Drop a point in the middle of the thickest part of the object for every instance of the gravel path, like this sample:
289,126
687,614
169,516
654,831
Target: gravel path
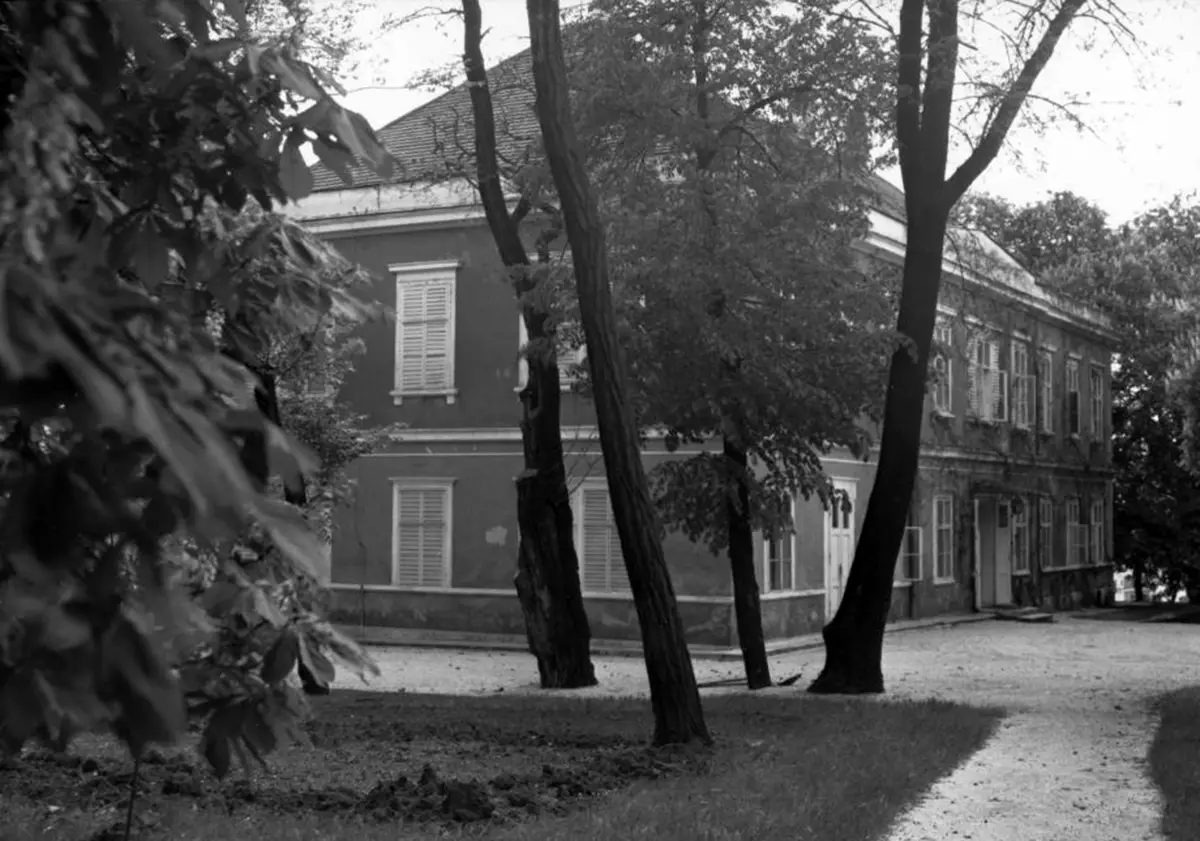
1068,764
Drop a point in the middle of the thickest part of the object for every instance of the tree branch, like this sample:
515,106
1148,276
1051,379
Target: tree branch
1010,105
908,89
937,99
491,193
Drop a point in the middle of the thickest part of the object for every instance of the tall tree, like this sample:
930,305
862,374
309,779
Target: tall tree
547,582
735,316
674,695
928,41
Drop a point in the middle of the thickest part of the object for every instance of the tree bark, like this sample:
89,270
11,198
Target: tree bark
746,604
547,580
678,716
1139,586
854,639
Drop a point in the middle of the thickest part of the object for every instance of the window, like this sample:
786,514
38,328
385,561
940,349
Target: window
987,384
1076,536
1020,536
943,368
601,564
779,556
943,539
421,533
424,330
1045,532
1096,398
1096,547
568,357
908,561
1023,386
1046,385
1072,396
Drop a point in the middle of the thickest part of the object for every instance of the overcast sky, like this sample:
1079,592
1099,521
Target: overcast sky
1143,112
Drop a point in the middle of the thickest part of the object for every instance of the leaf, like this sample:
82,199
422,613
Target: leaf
291,535
356,133
289,459
294,174
220,598
295,77
339,160
281,658
217,51
316,662
258,734
216,751
237,11
148,694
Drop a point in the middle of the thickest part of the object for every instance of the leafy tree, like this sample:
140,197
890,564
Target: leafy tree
547,580
928,40
128,138
737,319
674,695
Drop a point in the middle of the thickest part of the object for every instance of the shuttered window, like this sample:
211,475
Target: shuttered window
425,295
421,534
601,565
987,382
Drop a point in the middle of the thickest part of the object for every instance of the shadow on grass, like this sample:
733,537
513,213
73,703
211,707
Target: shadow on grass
1188,614
1175,762
400,766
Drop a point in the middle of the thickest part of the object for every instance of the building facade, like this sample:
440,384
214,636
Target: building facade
1013,504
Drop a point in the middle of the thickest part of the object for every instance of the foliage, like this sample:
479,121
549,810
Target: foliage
131,134
738,322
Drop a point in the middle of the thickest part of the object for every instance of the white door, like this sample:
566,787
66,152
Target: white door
839,543
1003,550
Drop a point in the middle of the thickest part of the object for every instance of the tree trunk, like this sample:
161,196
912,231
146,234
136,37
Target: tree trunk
1139,586
547,580
854,639
746,605
678,716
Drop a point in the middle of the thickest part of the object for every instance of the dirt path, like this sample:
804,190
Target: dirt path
1067,765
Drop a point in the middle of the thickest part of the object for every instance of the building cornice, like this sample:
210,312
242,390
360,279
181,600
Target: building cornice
391,208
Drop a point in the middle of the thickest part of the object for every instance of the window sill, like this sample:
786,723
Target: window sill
943,414
904,584
1076,567
451,395
1023,573
939,582
776,595
563,385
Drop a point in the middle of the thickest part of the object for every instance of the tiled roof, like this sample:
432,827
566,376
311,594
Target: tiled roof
437,139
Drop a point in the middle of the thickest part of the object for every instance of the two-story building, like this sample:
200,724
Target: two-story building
1014,499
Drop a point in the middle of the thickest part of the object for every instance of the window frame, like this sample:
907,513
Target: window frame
1074,418
941,541
767,540
1022,411
1096,401
1075,527
1097,548
1046,533
577,506
1045,373
408,276
909,529
943,388
1019,519
424,485
987,380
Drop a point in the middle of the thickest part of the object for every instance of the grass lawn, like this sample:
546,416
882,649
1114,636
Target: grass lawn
1175,763
402,766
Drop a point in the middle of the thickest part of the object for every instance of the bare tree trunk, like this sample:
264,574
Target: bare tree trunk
1139,584
678,716
547,580
854,639
746,604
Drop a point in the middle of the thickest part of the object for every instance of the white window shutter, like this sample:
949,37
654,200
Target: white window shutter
424,319
596,524
433,537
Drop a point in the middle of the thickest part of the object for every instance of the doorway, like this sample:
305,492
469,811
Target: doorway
993,546
839,542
